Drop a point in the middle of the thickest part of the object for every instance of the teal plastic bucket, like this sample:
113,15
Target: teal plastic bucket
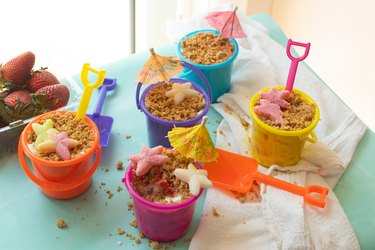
218,75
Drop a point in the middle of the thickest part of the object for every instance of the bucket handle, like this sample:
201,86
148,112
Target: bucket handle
311,137
201,76
53,185
189,66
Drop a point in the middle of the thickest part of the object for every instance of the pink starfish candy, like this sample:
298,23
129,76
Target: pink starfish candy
59,143
269,110
277,97
147,158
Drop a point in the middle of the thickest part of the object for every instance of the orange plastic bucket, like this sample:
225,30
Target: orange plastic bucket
271,146
60,179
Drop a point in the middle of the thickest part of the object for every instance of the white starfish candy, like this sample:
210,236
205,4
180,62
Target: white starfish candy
197,178
180,91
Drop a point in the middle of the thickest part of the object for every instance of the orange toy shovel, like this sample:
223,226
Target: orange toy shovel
237,172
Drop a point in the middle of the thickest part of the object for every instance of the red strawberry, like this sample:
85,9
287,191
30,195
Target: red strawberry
40,79
2,125
22,95
58,92
18,69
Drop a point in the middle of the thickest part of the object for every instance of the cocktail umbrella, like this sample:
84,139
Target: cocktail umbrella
159,69
227,23
194,142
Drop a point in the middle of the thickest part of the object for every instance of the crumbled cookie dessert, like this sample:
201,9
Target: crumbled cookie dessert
207,48
298,116
61,223
164,108
214,212
120,165
120,231
159,184
75,128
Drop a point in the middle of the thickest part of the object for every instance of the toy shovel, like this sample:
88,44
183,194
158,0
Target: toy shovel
89,87
295,61
237,172
104,123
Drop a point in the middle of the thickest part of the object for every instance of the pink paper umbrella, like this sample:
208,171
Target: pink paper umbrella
227,23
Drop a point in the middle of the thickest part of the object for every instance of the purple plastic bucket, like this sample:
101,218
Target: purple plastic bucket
161,222
157,129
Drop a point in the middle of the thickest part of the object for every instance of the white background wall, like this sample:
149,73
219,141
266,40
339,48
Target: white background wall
64,35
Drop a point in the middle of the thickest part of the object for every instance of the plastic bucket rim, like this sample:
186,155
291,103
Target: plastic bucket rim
173,123
65,163
165,207
202,66
273,130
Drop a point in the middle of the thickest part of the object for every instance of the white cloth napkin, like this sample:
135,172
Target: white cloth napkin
280,220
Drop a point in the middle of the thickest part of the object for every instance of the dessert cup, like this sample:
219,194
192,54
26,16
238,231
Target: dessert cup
161,222
157,129
60,179
218,75
272,146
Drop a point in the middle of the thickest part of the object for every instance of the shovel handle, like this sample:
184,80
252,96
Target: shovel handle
295,61
295,189
108,85
99,105
87,92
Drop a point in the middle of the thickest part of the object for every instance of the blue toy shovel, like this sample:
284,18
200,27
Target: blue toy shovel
104,123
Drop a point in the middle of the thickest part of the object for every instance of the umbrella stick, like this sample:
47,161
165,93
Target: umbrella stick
204,120
160,67
234,11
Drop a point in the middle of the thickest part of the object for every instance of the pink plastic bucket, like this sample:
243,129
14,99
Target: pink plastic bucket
161,222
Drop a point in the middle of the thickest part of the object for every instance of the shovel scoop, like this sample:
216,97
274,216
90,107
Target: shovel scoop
104,123
236,172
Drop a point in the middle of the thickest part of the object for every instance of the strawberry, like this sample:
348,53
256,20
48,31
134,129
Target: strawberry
2,125
57,92
19,95
18,69
41,78
18,105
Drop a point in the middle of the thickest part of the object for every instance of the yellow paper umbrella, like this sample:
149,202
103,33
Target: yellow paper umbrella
194,142
159,69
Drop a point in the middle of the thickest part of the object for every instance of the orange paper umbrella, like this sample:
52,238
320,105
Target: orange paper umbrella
194,142
159,68
227,23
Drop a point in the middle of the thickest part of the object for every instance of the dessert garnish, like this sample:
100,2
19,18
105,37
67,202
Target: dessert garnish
41,131
59,143
277,97
196,178
181,91
147,158
271,103
269,110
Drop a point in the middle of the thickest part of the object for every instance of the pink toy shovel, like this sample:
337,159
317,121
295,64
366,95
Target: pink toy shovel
295,61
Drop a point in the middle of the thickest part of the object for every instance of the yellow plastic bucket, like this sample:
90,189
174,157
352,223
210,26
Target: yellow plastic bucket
271,146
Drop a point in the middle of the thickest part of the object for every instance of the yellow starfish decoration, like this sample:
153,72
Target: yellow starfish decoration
42,128
180,91
197,178
41,131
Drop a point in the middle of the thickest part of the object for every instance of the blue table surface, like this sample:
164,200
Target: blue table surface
28,218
